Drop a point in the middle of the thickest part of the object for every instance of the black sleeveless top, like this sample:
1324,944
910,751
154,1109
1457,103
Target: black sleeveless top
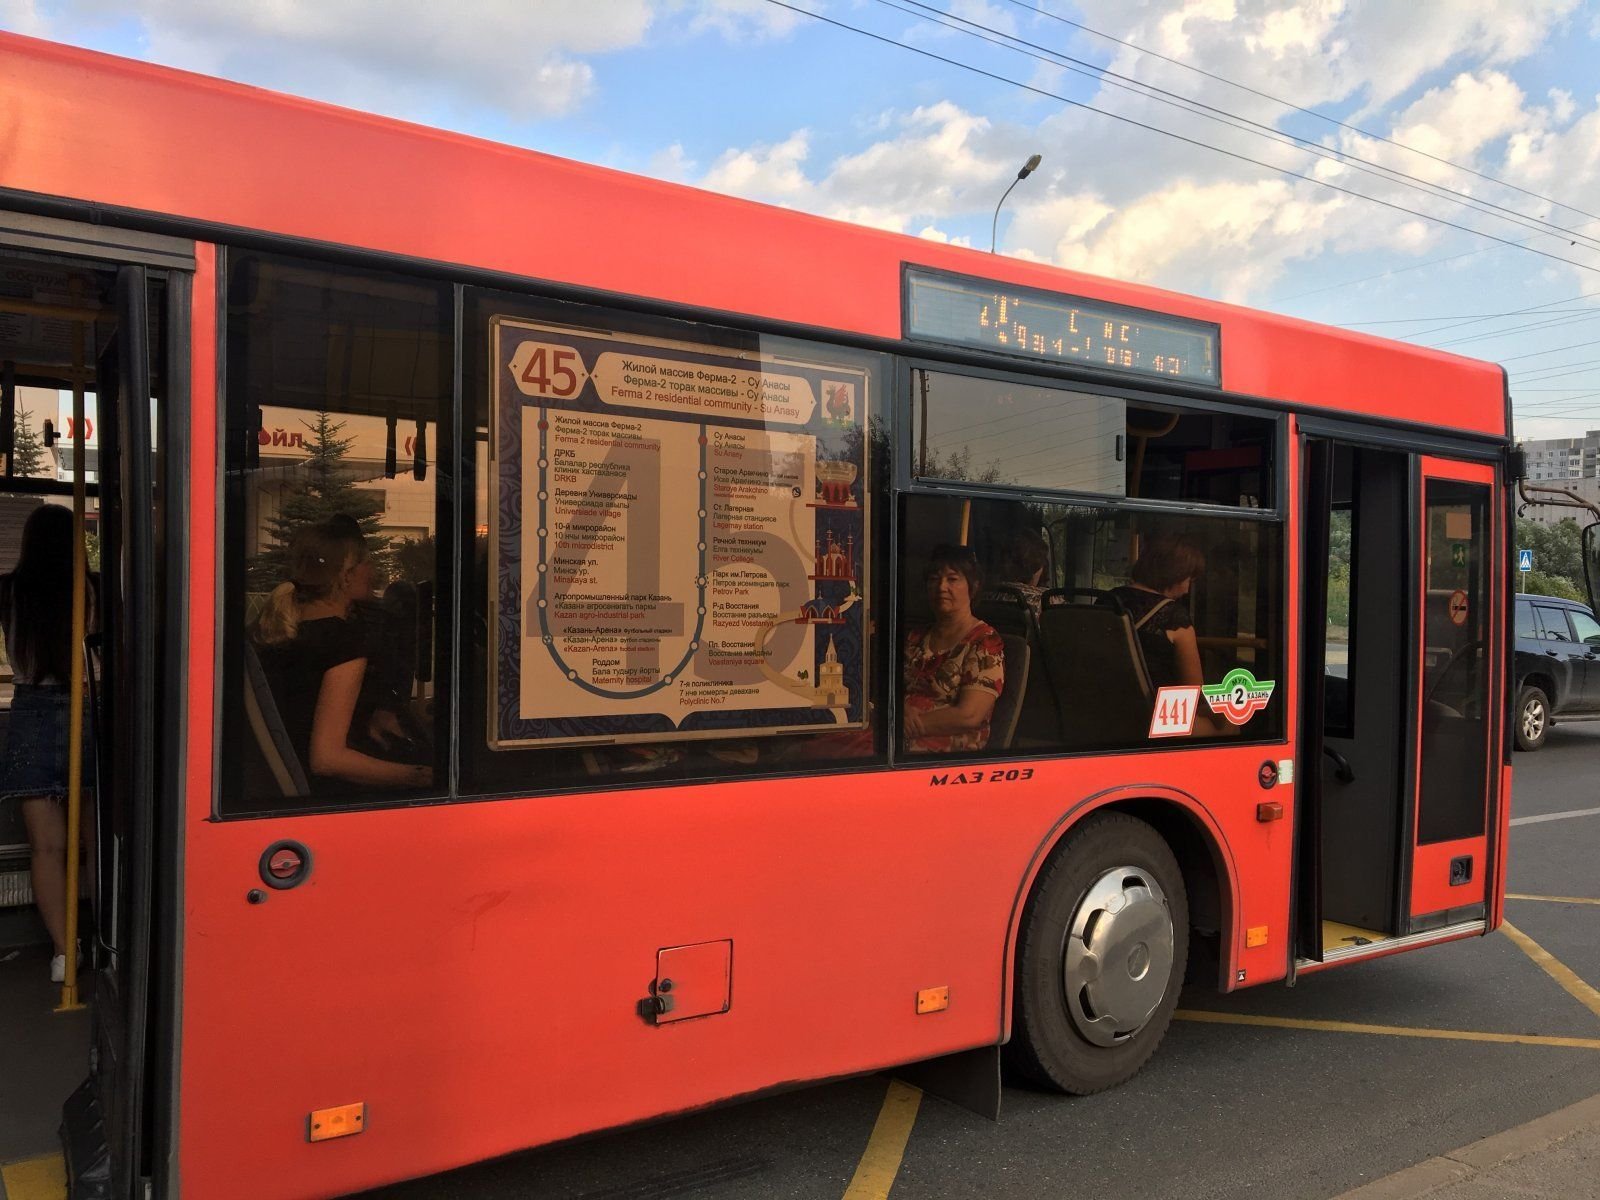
1160,655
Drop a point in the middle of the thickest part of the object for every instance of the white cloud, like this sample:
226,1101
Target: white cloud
938,160
770,173
398,56
1456,121
740,20
1563,164
22,16
404,57
673,163
1319,51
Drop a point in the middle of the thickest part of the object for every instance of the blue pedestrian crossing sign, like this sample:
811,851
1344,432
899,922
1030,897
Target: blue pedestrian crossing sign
1524,560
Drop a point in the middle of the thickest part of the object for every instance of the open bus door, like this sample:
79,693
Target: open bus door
1400,656
96,321
1460,671
103,1123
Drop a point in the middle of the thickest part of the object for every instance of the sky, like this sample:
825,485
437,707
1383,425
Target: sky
1419,169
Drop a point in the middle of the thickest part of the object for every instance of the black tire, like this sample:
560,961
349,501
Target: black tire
1533,717
1059,1040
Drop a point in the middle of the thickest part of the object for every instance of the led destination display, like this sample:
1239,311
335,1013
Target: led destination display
1027,323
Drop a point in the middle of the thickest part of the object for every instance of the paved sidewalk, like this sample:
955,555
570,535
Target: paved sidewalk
1556,1157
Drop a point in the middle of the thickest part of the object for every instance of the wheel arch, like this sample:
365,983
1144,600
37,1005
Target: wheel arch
1197,842
1544,682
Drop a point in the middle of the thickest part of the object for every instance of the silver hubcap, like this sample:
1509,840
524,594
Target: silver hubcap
1532,720
1118,955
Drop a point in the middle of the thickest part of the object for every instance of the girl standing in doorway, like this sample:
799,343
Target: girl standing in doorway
36,614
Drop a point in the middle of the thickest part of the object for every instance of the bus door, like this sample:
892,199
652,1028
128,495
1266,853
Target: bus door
1459,668
88,333
1397,726
1357,542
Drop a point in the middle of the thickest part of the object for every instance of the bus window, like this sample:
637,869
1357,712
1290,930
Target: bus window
336,380
677,564
976,429
1130,611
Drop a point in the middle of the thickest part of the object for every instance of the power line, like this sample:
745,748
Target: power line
1432,262
1557,322
1532,308
1028,87
1581,368
1310,112
1235,120
1452,317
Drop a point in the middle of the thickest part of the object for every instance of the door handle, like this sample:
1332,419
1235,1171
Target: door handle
1341,765
1553,653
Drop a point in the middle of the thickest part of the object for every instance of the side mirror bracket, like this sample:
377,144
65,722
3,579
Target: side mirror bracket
1591,559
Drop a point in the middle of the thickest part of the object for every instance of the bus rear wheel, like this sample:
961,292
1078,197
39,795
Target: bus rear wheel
1104,942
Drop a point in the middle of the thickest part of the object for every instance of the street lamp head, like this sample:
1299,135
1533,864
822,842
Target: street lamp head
1028,168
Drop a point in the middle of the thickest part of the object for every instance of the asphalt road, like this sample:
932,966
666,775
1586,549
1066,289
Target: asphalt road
1223,1110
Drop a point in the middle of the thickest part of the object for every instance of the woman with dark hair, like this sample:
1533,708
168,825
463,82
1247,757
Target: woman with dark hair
315,658
36,613
1027,557
1162,576
953,671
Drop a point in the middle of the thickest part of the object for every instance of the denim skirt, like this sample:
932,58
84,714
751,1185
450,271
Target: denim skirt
34,762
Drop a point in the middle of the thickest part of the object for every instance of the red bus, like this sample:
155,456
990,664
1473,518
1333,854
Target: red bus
576,649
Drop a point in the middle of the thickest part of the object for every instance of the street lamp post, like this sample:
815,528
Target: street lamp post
1028,168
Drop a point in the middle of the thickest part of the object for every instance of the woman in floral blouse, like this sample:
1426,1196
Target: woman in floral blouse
953,671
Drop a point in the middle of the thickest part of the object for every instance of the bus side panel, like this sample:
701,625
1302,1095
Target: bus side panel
473,973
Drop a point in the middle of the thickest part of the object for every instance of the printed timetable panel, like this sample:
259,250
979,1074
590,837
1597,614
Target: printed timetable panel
678,539
1049,326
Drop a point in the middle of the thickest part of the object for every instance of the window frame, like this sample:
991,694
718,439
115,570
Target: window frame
1573,617
907,484
608,315
901,356
233,470
1564,633
906,480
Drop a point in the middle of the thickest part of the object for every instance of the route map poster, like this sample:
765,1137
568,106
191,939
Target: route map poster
678,539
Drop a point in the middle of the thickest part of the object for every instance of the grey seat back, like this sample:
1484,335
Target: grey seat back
267,728
1098,673
1003,722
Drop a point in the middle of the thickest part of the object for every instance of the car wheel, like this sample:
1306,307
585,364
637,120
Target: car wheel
1533,718
1105,938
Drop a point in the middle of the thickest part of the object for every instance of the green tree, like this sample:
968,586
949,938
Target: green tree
1557,558
1538,583
323,487
414,558
27,448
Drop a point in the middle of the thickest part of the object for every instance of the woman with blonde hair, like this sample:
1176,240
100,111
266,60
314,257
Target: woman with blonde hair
315,658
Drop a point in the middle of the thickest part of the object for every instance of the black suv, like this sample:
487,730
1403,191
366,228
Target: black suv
1558,665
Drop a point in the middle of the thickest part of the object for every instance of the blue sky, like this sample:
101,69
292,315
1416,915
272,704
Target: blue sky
756,99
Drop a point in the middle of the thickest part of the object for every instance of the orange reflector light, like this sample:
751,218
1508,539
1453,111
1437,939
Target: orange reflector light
933,999
1269,811
1255,936
338,1122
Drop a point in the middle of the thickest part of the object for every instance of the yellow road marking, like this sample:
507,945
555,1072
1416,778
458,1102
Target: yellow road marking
1553,899
880,1162
36,1179
1457,1035
1554,967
